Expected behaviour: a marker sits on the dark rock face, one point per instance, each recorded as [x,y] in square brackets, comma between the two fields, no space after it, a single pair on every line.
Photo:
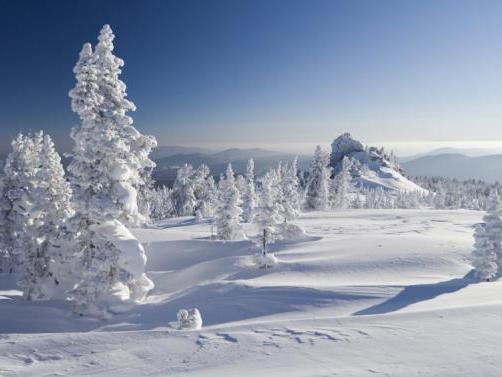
[344,145]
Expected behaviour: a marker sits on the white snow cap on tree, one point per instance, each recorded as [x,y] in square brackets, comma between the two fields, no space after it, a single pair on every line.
[110,163]
[317,193]
[487,254]
[228,212]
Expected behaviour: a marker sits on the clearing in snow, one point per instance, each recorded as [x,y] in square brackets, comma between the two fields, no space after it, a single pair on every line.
[365,293]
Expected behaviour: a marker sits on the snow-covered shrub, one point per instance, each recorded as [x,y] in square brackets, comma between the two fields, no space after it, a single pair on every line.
[267,260]
[189,319]
[290,232]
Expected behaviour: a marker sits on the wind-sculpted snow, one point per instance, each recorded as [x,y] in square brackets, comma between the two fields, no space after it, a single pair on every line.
[368,292]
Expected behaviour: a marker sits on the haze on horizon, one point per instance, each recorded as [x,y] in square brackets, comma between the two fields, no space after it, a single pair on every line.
[409,76]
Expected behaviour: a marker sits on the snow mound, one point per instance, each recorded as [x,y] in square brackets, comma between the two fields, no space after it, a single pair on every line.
[292,233]
[189,319]
[371,167]
[265,260]
[132,258]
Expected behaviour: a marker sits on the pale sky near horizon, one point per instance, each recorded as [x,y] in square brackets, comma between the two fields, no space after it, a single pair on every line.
[409,75]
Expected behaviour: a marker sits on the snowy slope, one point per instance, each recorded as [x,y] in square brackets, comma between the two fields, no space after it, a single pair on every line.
[372,292]
[386,178]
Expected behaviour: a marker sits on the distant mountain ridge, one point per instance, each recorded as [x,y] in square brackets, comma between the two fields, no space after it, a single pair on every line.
[456,165]
[170,158]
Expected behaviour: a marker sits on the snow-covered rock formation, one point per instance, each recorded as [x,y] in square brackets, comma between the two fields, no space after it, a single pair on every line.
[371,167]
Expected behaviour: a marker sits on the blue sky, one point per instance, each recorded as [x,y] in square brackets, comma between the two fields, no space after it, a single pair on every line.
[265,73]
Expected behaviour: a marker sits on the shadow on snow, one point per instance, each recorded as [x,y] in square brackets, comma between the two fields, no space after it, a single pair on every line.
[413,294]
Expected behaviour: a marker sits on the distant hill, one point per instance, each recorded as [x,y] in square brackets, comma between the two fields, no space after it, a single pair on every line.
[455,165]
[371,167]
[171,150]
[169,162]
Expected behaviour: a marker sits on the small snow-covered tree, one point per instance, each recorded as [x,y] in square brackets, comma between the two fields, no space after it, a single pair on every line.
[110,157]
[162,205]
[228,212]
[204,190]
[249,196]
[484,256]
[317,193]
[489,239]
[183,195]
[208,198]
[268,213]
[289,185]
[341,185]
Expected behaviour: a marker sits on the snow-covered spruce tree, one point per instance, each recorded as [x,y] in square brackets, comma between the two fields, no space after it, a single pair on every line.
[228,212]
[290,192]
[484,256]
[268,213]
[341,185]
[6,257]
[249,199]
[109,161]
[488,240]
[162,206]
[317,193]
[183,195]
[39,202]
[209,198]
[20,219]
[54,241]
[205,192]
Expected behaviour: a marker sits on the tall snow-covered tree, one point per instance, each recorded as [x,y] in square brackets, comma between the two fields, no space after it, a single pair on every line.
[110,157]
[488,240]
[249,196]
[317,192]
[228,212]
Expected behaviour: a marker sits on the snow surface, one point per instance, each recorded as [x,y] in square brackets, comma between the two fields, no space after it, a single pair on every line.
[371,292]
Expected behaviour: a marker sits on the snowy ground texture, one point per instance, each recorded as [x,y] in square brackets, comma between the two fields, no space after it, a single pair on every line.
[370,293]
